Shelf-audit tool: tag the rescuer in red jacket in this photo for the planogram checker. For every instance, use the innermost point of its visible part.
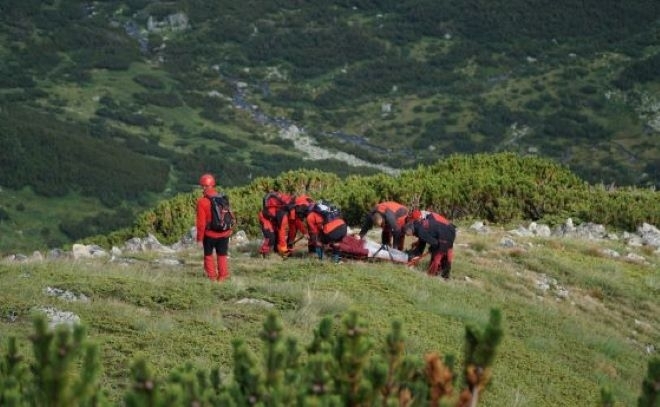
(324, 227)
(215, 268)
(291, 224)
(279, 223)
(439, 233)
(275, 206)
(391, 217)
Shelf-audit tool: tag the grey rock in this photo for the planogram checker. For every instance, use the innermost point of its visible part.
(255, 301)
(65, 295)
(56, 317)
(610, 253)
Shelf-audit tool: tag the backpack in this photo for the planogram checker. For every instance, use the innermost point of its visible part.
(328, 210)
(448, 234)
(222, 217)
(272, 202)
(275, 199)
(447, 228)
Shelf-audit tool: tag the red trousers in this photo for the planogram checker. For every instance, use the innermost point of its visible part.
(221, 272)
(440, 263)
(216, 267)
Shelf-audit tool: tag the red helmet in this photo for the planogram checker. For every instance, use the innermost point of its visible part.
(416, 214)
(207, 180)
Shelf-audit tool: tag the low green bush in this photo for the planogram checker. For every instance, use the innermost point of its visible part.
(342, 367)
(498, 188)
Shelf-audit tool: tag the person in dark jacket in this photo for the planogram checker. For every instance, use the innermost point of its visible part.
(215, 268)
(439, 233)
(391, 217)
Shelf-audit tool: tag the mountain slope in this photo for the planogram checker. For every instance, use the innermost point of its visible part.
(177, 88)
(576, 318)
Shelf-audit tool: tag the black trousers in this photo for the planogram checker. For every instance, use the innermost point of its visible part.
(220, 245)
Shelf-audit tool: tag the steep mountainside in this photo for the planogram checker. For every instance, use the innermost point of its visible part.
(127, 102)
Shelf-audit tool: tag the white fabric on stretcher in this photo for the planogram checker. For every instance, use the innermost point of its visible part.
(386, 253)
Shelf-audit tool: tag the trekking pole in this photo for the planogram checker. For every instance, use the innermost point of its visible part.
(297, 240)
(295, 247)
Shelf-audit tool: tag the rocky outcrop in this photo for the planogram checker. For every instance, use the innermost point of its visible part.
(646, 235)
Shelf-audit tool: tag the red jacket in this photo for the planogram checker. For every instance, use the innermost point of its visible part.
(289, 226)
(394, 217)
(203, 217)
(318, 226)
(314, 223)
(273, 202)
(438, 218)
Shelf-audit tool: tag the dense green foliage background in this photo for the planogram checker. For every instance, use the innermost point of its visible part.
(120, 102)
(499, 188)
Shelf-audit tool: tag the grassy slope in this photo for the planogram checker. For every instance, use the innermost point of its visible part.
(555, 352)
(33, 225)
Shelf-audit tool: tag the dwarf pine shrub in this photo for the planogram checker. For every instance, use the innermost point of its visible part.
(342, 366)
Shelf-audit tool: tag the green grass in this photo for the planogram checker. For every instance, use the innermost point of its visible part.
(554, 352)
(33, 225)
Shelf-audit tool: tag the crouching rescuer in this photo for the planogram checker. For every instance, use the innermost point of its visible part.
(439, 233)
(214, 222)
(275, 210)
(325, 225)
(391, 217)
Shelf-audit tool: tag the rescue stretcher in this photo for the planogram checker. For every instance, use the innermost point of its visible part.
(352, 247)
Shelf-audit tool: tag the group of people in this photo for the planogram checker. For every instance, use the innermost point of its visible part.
(430, 228)
(283, 217)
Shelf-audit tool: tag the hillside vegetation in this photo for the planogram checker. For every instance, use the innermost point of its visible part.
(575, 320)
(127, 102)
(498, 188)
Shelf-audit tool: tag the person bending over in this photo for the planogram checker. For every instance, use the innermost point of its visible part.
(439, 234)
(391, 217)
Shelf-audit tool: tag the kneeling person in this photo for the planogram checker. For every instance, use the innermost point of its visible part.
(324, 228)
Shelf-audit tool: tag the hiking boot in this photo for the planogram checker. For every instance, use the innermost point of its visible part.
(445, 274)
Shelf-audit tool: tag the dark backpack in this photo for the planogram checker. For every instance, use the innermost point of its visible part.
(448, 234)
(275, 199)
(273, 202)
(222, 217)
(328, 210)
(446, 231)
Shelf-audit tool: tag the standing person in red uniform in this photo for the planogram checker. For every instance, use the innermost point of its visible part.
(323, 227)
(391, 216)
(215, 268)
(439, 233)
